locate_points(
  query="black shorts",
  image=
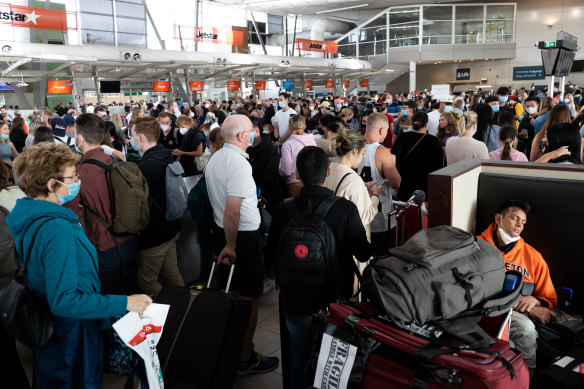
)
(248, 277)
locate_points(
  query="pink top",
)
(516, 156)
(290, 150)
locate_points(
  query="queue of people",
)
(367, 150)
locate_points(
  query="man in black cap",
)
(59, 127)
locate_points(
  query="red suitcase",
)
(393, 364)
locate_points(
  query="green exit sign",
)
(550, 44)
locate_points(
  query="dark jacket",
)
(153, 166)
(350, 238)
(265, 165)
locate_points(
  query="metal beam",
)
(255, 27)
(170, 70)
(141, 68)
(162, 44)
(15, 65)
(55, 71)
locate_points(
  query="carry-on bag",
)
(203, 336)
(361, 349)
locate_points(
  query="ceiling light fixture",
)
(341, 9)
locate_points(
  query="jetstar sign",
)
(320, 46)
(30, 17)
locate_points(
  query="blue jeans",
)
(300, 331)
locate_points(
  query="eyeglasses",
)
(74, 177)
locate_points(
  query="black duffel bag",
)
(25, 316)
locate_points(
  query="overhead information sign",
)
(462, 74)
(32, 17)
(521, 73)
(196, 86)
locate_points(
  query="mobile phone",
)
(510, 283)
(380, 182)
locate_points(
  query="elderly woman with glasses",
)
(62, 269)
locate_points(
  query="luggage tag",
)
(567, 362)
(335, 360)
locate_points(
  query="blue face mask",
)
(281, 104)
(495, 108)
(474, 132)
(404, 112)
(252, 139)
(134, 146)
(448, 108)
(339, 106)
(4, 136)
(519, 98)
(72, 191)
(407, 130)
(387, 101)
(503, 99)
(520, 118)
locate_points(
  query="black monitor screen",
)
(109, 86)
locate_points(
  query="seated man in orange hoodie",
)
(538, 294)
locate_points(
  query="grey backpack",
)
(440, 275)
(176, 193)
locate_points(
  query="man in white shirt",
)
(233, 197)
(434, 116)
(282, 119)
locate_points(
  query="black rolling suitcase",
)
(203, 335)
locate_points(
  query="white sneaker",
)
(269, 285)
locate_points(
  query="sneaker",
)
(269, 285)
(257, 363)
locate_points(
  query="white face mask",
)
(311, 107)
(206, 105)
(567, 101)
(531, 110)
(192, 114)
(507, 239)
(164, 127)
(183, 130)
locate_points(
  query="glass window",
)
(379, 22)
(468, 26)
(438, 13)
(437, 33)
(404, 27)
(97, 22)
(99, 37)
(126, 9)
(133, 26)
(499, 24)
(97, 6)
(131, 39)
(275, 24)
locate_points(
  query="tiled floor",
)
(266, 340)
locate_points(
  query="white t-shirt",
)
(283, 120)
(433, 120)
(228, 173)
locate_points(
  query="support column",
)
(551, 86)
(562, 87)
(412, 76)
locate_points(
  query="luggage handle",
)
(232, 261)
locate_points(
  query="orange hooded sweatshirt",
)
(529, 262)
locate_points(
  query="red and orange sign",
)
(233, 85)
(196, 86)
(59, 87)
(346, 83)
(329, 84)
(307, 84)
(364, 83)
(161, 86)
(225, 37)
(260, 85)
(312, 45)
(32, 17)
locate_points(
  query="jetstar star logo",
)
(18, 17)
(31, 17)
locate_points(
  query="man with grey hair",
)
(233, 197)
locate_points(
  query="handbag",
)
(25, 316)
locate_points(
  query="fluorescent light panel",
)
(342, 9)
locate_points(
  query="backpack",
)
(128, 194)
(201, 162)
(440, 275)
(176, 192)
(306, 260)
(68, 144)
(199, 204)
(8, 256)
